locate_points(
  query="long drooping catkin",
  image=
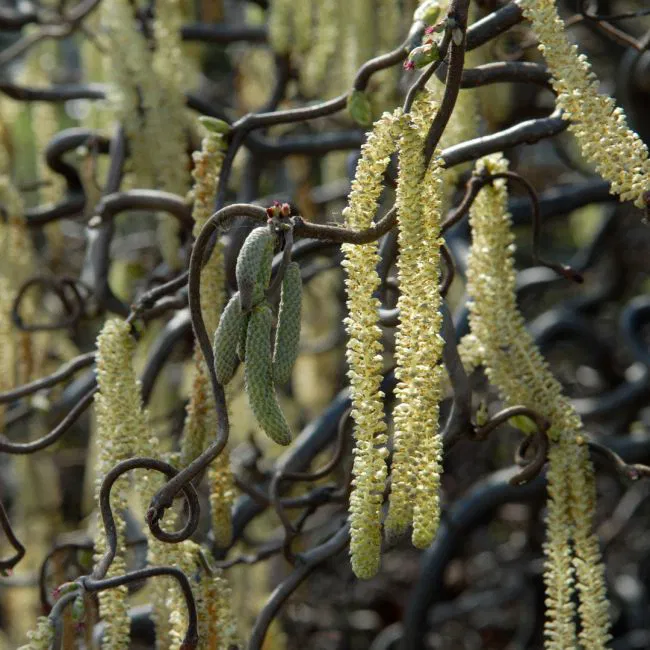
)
(505, 345)
(364, 350)
(600, 127)
(416, 464)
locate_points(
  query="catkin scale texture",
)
(417, 447)
(253, 268)
(600, 127)
(287, 334)
(226, 340)
(241, 342)
(364, 351)
(259, 376)
(573, 562)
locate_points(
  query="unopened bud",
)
(215, 125)
(423, 55)
(359, 107)
(428, 12)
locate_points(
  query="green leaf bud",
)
(428, 12)
(215, 125)
(523, 423)
(359, 108)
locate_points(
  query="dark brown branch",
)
(528, 132)
(308, 562)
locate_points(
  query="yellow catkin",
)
(471, 352)
(175, 74)
(128, 67)
(16, 265)
(559, 629)
(428, 459)
(601, 129)
(124, 431)
(280, 23)
(319, 57)
(364, 350)
(593, 605)
(184, 557)
(200, 422)
(217, 623)
(302, 19)
(222, 498)
(415, 471)
(41, 637)
(120, 426)
(206, 173)
(506, 345)
(147, 93)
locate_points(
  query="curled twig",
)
(630, 472)
(8, 564)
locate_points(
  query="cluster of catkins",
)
(498, 341)
(246, 325)
(312, 33)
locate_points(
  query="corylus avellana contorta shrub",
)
(234, 321)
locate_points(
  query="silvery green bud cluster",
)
(246, 326)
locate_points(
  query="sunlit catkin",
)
(200, 423)
(506, 344)
(601, 129)
(364, 350)
(559, 629)
(206, 173)
(318, 59)
(413, 284)
(120, 423)
(415, 469)
(593, 605)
